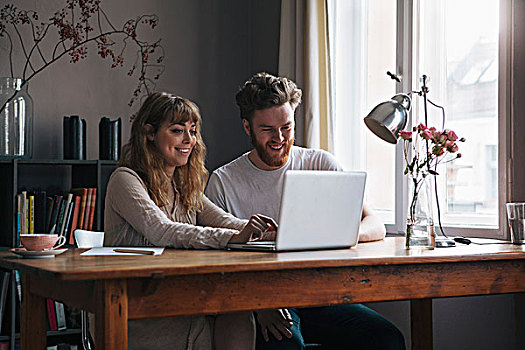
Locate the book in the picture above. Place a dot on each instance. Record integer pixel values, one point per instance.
(60, 315)
(65, 217)
(40, 212)
(5, 278)
(31, 213)
(109, 136)
(24, 212)
(19, 216)
(82, 192)
(85, 224)
(51, 315)
(49, 212)
(60, 217)
(74, 129)
(72, 317)
(68, 220)
(92, 209)
(56, 212)
(74, 219)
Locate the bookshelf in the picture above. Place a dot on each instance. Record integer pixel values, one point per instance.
(57, 175)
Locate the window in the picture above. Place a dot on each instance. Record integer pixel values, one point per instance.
(461, 55)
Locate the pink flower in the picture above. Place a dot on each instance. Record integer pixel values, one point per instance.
(451, 146)
(436, 137)
(421, 127)
(438, 150)
(451, 135)
(406, 135)
(426, 134)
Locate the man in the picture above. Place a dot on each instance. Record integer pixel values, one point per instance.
(253, 183)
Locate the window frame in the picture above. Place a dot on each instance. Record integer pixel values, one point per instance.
(406, 51)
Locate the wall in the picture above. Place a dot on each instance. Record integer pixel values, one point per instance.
(477, 322)
(211, 48)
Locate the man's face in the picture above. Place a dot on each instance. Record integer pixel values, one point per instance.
(272, 134)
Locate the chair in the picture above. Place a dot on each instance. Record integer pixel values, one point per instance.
(87, 242)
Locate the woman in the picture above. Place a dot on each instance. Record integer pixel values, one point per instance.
(155, 197)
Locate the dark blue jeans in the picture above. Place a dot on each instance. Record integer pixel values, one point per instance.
(352, 326)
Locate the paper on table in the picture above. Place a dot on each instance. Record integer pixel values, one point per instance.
(110, 251)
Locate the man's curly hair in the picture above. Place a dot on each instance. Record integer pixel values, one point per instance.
(264, 90)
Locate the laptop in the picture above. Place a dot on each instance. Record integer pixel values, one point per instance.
(319, 210)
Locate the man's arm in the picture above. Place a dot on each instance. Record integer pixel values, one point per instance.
(371, 227)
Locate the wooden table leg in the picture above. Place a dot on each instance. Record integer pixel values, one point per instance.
(33, 318)
(421, 324)
(111, 316)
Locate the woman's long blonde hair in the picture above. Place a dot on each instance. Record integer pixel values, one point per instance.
(143, 157)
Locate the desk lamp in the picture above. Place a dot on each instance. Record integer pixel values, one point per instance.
(389, 118)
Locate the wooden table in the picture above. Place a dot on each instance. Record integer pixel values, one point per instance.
(186, 282)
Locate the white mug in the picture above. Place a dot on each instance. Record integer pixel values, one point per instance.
(89, 239)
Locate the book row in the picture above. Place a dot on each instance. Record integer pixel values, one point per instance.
(59, 214)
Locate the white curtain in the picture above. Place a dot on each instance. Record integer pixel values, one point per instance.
(348, 60)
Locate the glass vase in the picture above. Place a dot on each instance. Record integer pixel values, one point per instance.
(420, 223)
(16, 119)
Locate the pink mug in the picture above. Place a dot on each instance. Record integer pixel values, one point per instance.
(41, 241)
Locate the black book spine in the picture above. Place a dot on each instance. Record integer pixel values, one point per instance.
(82, 141)
(76, 137)
(66, 130)
(40, 212)
(115, 139)
(54, 216)
(75, 126)
(103, 144)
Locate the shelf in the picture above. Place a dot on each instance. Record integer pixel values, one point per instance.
(59, 161)
(53, 176)
(73, 331)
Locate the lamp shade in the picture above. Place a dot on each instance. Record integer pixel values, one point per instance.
(388, 118)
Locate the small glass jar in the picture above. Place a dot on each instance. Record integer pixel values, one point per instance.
(16, 119)
(420, 223)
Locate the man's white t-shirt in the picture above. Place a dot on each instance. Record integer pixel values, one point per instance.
(242, 189)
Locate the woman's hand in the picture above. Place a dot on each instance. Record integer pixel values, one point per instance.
(259, 228)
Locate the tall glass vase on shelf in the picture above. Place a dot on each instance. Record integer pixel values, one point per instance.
(16, 119)
(420, 223)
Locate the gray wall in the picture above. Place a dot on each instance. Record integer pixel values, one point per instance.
(211, 48)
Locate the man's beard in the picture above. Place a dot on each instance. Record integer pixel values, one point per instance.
(268, 159)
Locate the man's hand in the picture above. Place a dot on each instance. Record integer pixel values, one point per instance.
(276, 321)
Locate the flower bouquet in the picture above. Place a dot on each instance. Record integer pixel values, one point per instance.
(424, 149)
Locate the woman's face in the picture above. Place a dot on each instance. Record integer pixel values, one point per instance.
(175, 141)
